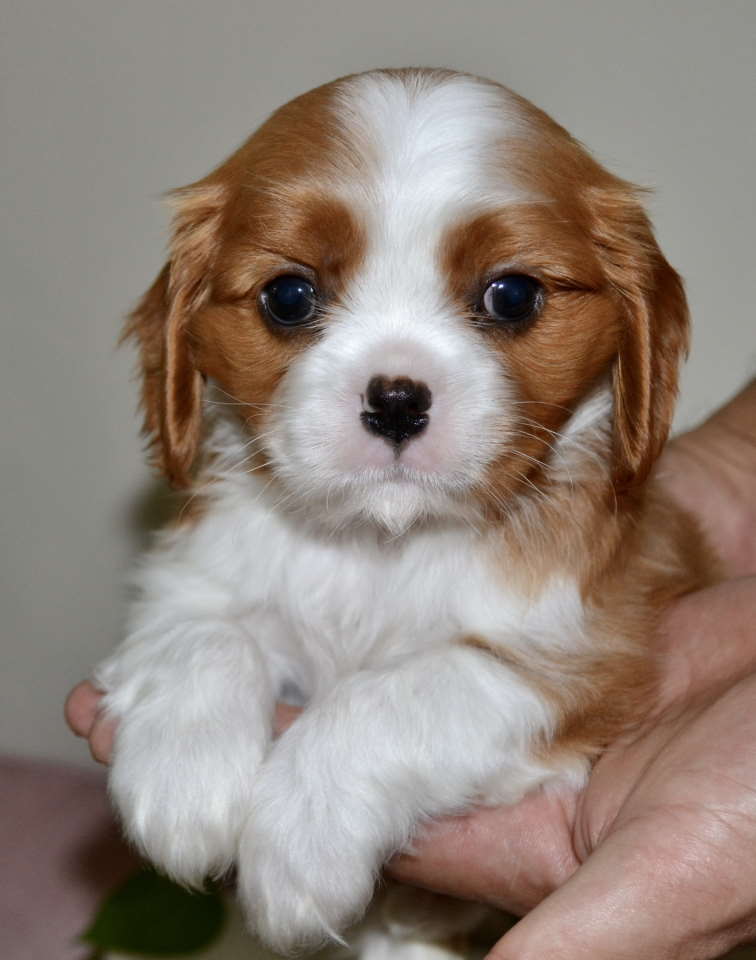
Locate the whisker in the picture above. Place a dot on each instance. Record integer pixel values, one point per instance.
(569, 443)
(542, 403)
(243, 403)
(555, 450)
(240, 403)
(257, 437)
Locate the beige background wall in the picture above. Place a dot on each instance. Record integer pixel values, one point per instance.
(105, 104)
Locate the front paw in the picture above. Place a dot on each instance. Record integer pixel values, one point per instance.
(305, 872)
(183, 795)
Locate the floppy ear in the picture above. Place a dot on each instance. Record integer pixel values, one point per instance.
(171, 384)
(653, 336)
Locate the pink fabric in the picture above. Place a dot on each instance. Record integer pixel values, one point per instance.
(60, 853)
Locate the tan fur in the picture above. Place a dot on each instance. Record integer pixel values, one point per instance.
(613, 310)
(262, 212)
(631, 558)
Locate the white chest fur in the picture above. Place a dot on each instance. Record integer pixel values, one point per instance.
(324, 605)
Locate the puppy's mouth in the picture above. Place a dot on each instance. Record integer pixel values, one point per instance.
(398, 472)
(398, 475)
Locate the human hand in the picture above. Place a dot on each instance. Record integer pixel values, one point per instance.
(86, 719)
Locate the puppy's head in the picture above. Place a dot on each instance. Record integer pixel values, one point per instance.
(408, 284)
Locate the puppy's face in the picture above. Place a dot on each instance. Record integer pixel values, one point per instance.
(410, 282)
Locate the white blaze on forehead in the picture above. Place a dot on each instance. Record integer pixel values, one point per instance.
(428, 146)
(427, 149)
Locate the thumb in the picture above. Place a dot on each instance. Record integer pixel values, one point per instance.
(633, 897)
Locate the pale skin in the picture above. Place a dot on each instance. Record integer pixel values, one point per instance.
(656, 857)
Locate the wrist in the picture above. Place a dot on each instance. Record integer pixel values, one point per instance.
(711, 472)
(706, 641)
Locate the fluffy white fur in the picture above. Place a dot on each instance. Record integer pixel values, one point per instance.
(350, 577)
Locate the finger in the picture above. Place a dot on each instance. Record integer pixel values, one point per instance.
(634, 897)
(284, 716)
(81, 708)
(101, 737)
(691, 662)
(510, 857)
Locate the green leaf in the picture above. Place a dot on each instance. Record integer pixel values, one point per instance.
(150, 915)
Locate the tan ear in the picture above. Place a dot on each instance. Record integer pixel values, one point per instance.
(653, 337)
(172, 386)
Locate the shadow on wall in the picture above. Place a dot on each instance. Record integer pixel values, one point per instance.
(151, 509)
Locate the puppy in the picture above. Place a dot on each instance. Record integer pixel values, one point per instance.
(415, 353)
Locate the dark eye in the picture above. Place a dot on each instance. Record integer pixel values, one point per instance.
(289, 300)
(512, 298)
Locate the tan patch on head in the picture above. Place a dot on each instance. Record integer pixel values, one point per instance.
(275, 209)
(613, 309)
(554, 361)
(283, 215)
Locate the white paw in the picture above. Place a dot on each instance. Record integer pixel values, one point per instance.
(183, 795)
(305, 872)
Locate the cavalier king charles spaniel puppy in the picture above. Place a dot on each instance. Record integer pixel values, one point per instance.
(414, 352)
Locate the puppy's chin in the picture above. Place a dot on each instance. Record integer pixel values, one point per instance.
(398, 500)
(392, 500)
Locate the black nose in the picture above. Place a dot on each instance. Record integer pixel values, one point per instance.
(400, 408)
